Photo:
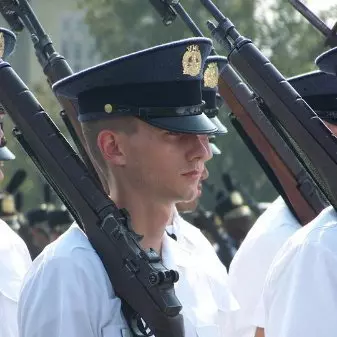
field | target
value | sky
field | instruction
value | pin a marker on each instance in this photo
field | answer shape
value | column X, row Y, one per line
column 314, row 5
column 317, row 5
column 320, row 4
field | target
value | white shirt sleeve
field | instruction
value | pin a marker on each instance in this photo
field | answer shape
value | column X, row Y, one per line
column 301, row 294
column 61, row 298
column 14, row 264
column 250, row 265
column 8, row 313
column 259, row 315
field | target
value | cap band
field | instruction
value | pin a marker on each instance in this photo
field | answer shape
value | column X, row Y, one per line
column 143, row 112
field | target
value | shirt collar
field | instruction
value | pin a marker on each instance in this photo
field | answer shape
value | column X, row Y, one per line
column 174, row 254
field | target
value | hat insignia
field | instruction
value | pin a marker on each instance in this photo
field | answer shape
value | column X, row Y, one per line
column 211, row 75
column 2, row 44
column 236, row 198
column 192, row 61
column 217, row 220
column 8, row 205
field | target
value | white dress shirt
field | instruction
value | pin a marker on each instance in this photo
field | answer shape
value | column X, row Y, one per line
column 14, row 263
column 248, row 270
column 300, row 295
column 68, row 293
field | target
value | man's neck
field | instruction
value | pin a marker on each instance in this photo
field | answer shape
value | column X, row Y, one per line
column 148, row 217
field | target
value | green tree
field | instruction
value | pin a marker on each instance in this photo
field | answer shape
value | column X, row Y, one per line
column 124, row 26
column 289, row 39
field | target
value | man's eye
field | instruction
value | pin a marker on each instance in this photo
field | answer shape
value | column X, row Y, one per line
column 171, row 133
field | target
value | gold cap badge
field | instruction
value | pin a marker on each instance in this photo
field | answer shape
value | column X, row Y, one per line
column 236, row 198
column 218, row 221
column 211, row 75
column 8, row 205
column 2, row 44
column 192, row 61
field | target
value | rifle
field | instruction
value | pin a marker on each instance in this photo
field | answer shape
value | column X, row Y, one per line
column 167, row 13
column 137, row 275
column 19, row 14
column 16, row 181
column 327, row 62
column 312, row 141
column 329, row 34
column 250, row 119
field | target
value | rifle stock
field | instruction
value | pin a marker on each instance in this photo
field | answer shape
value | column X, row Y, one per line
column 285, row 178
column 35, row 159
column 313, row 141
column 274, row 154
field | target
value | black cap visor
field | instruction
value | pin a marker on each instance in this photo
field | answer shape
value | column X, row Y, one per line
column 221, row 128
column 215, row 150
column 327, row 61
column 6, row 154
column 195, row 124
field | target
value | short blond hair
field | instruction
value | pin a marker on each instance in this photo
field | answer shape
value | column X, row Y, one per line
column 91, row 130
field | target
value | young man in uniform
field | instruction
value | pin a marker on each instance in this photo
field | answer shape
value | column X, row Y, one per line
column 212, row 70
column 299, row 297
column 142, row 119
column 14, row 256
column 187, row 234
column 249, row 269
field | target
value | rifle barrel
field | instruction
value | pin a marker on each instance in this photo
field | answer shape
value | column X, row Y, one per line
column 311, row 17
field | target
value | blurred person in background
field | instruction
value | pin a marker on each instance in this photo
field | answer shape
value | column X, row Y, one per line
column 14, row 255
column 299, row 294
column 201, row 232
column 252, row 263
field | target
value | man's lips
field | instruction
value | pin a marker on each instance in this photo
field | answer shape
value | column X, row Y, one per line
column 193, row 174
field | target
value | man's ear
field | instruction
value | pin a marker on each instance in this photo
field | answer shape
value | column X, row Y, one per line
column 111, row 147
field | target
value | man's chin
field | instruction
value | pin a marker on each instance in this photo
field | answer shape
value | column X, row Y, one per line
column 194, row 194
column 187, row 206
column 187, row 193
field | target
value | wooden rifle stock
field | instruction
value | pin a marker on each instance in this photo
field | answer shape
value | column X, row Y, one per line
column 307, row 136
column 276, row 157
column 303, row 209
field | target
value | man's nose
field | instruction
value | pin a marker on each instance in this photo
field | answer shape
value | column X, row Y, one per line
column 201, row 149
